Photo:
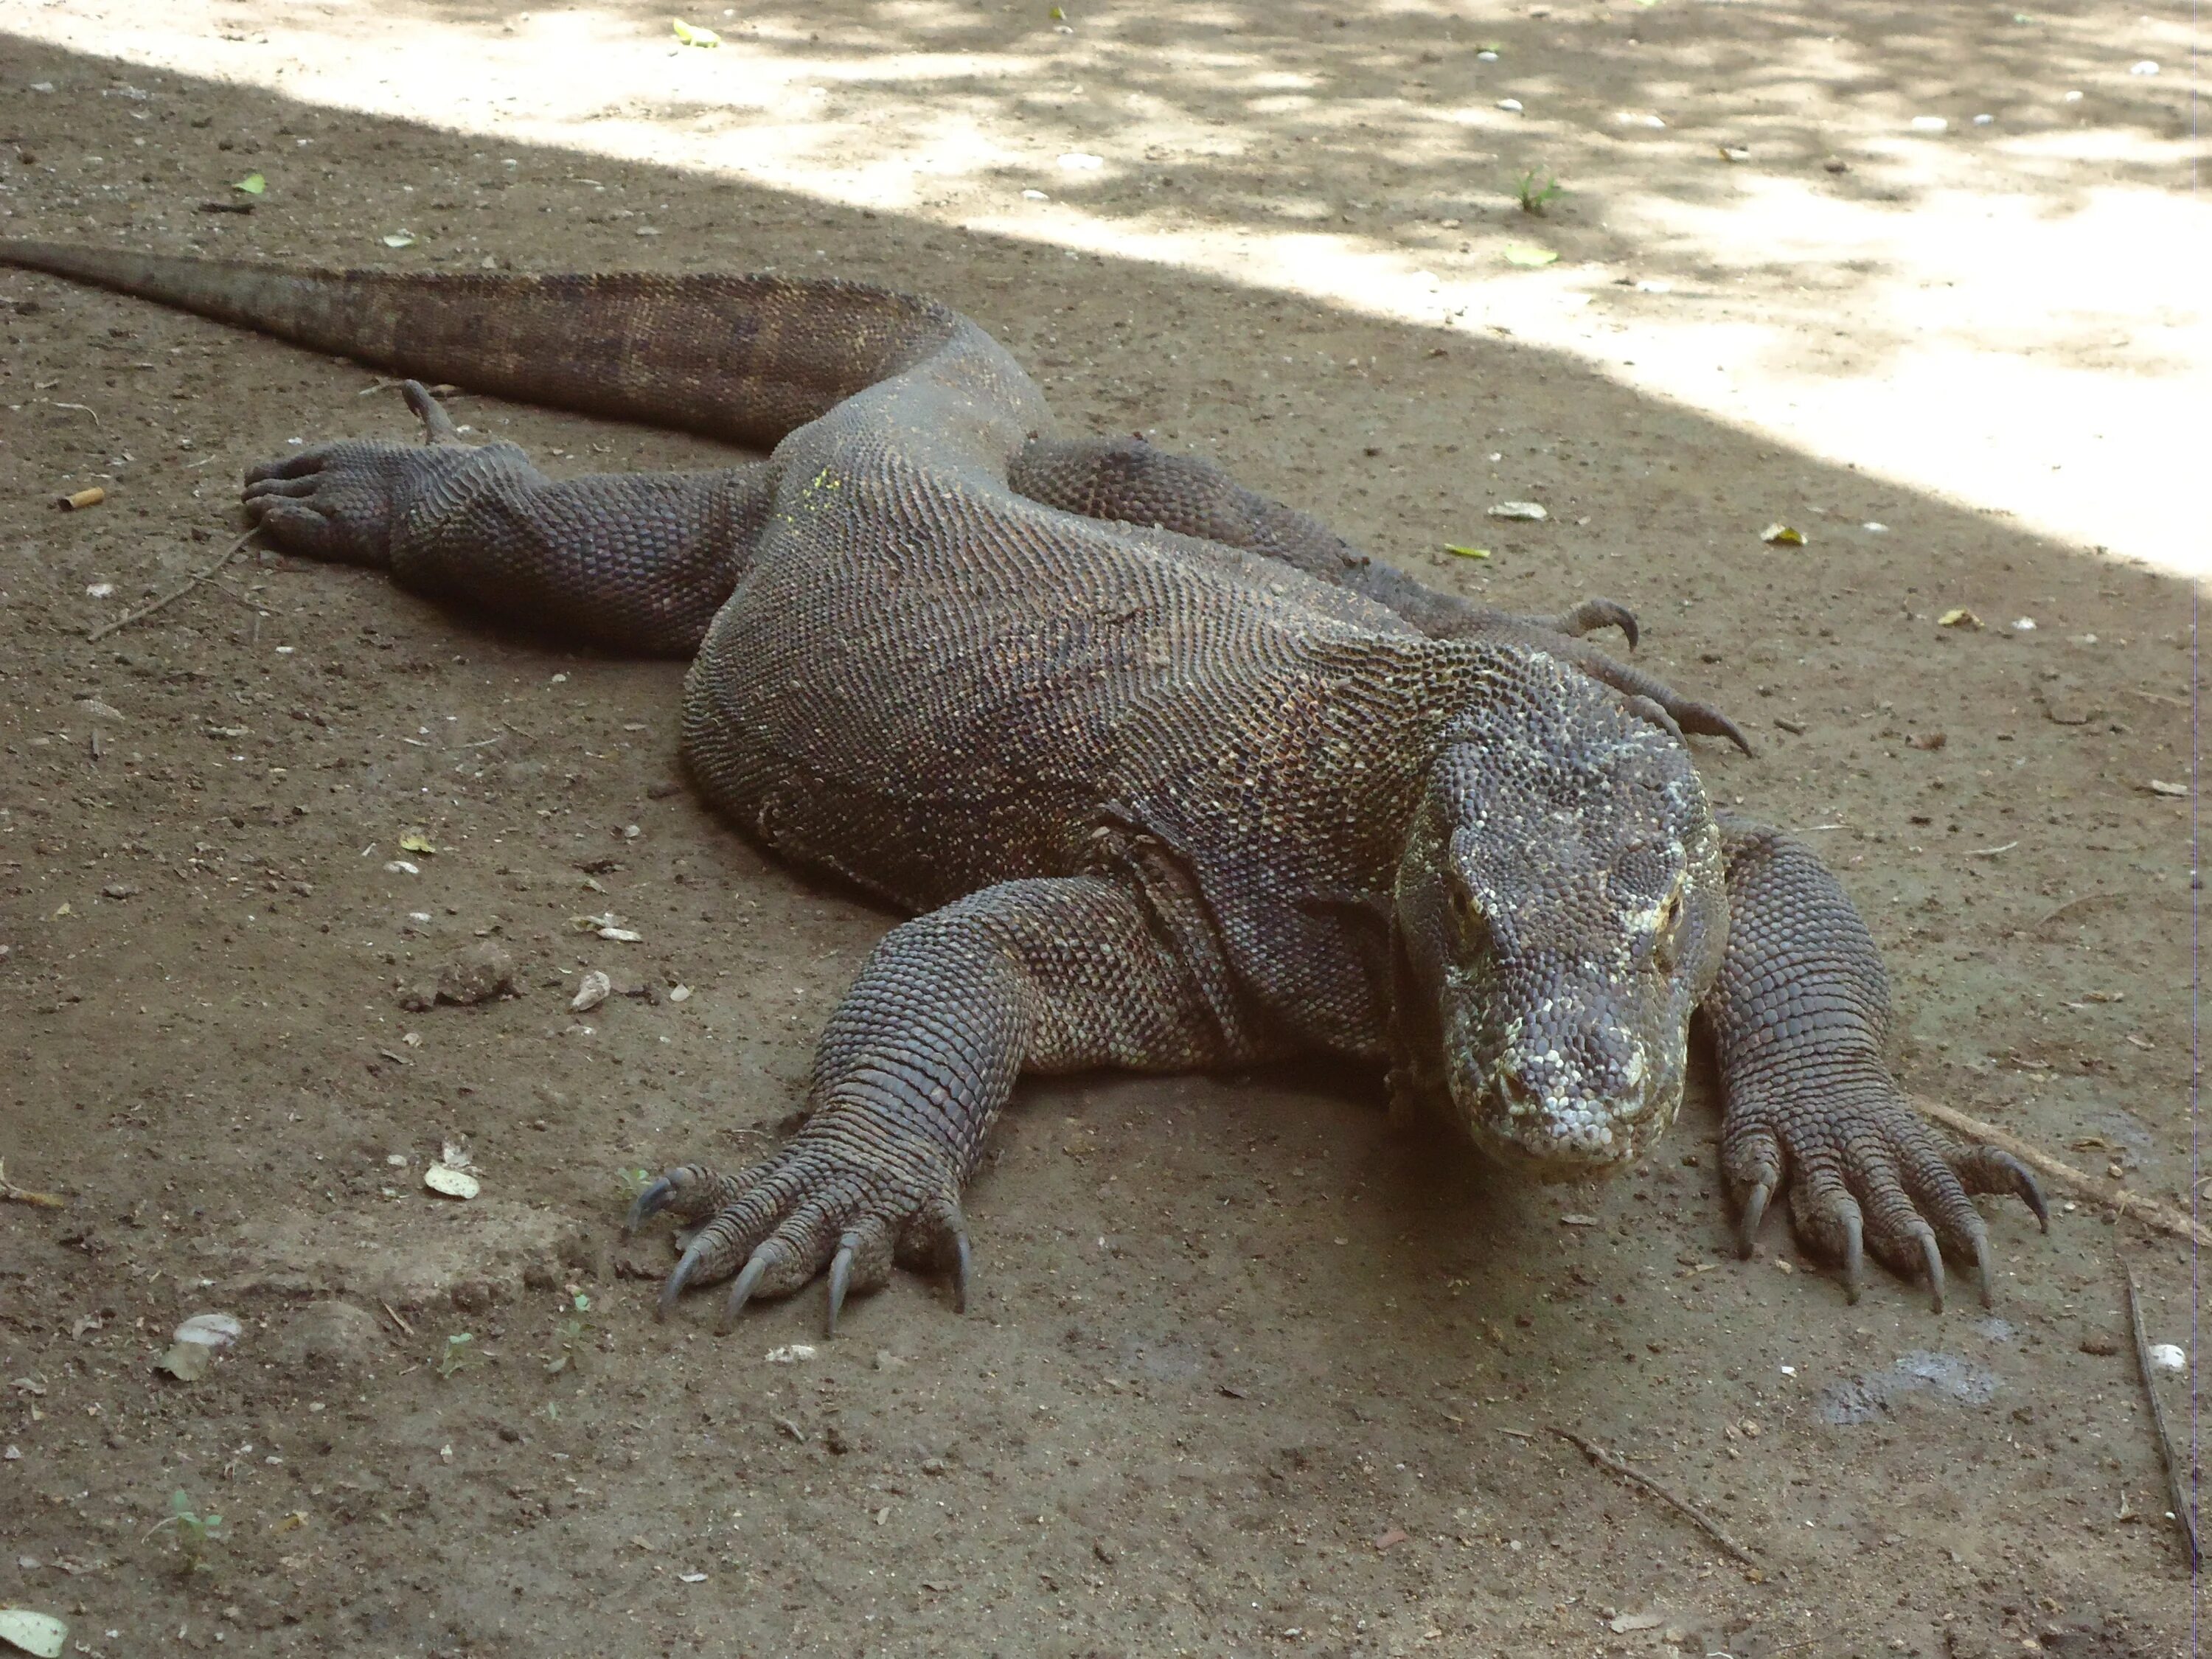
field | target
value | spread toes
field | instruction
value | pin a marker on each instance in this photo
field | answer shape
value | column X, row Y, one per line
column 1868, row 1177
column 812, row 1208
column 332, row 501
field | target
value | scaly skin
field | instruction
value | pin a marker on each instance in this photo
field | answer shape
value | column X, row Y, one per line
column 1166, row 776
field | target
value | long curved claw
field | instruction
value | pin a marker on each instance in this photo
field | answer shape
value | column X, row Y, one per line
column 840, row 1280
column 1709, row 722
column 672, row 1286
column 438, row 426
column 741, row 1293
column 1932, row 1255
column 1992, row 1170
column 650, row 1202
column 2031, row 1192
column 1854, row 1255
column 1982, row 1270
column 1592, row 614
column 1754, row 1211
column 963, row 1271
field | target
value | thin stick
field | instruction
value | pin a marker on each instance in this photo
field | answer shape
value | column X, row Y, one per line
column 23, row 1194
column 2082, row 1184
column 2167, row 1453
column 396, row 1319
column 1613, row 1465
column 254, row 606
column 2073, row 905
column 196, row 578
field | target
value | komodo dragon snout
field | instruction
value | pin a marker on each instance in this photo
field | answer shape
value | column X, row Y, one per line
column 1561, row 907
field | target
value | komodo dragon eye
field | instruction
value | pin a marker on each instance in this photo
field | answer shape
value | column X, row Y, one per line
column 1473, row 925
column 1663, row 940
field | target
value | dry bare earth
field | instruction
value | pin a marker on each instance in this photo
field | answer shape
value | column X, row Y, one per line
column 1250, row 1371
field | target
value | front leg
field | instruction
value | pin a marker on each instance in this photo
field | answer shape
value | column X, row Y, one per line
column 1045, row 974
column 1798, row 1018
column 635, row 562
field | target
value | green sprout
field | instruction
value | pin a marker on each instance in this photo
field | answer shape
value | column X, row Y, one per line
column 1534, row 198
column 456, row 1356
column 193, row 1532
column 572, row 1335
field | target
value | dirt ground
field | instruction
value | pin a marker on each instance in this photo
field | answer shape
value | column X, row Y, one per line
column 1249, row 1371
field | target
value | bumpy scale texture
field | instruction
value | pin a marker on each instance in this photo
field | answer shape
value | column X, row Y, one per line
column 1166, row 776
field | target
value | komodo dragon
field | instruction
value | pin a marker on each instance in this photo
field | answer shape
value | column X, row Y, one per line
column 1166, row 777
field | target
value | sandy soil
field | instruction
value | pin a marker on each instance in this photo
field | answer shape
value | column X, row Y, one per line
column 1251, row 1371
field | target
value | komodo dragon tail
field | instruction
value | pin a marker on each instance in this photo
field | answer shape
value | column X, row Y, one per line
column 743, row 358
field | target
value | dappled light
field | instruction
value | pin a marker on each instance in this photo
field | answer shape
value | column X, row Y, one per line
column 1952, row 244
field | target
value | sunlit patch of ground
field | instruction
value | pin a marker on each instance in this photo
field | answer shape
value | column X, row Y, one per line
column 2006, row 314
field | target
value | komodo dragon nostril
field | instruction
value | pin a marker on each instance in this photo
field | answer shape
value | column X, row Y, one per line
column 1521, row 1096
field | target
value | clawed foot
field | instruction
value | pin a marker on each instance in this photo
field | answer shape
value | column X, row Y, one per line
column 1867, row 1174
column 341, row 502
column 814, row 1206
column 1562, row 634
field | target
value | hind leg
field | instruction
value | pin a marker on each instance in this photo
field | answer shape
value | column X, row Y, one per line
column 635, row 562
column 1128, row 480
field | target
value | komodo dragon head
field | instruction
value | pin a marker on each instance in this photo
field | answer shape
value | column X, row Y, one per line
column 1561, row 909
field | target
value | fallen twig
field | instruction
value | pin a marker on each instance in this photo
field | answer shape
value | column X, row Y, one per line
column 24, row 1196
column 2073, row 904
column 2079, row 1182
column 1613, row 1465
column 232, row 593
column 167, row 600
column 393, row 1313
column 2176, row 1488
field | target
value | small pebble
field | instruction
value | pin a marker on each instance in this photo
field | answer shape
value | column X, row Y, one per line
column 477, row 974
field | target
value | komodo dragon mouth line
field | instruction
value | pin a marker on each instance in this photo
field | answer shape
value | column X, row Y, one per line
column 936, row 647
